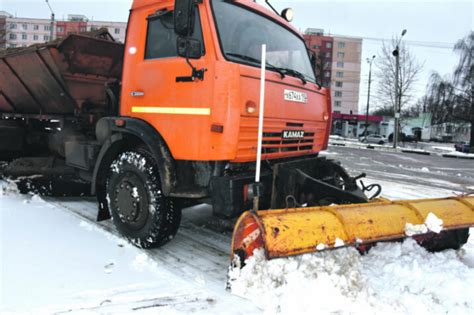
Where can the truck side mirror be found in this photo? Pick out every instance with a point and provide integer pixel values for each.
(184, 17)
(189, 47)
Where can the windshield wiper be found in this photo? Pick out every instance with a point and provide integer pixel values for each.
(295, 73)
(255, 60)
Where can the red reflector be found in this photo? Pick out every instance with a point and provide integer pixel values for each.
(217, 128)
(246, 192)
(119, 122)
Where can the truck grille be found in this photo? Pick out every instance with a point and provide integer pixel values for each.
(273, 144)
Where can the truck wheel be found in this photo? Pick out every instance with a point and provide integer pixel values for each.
(139, 210)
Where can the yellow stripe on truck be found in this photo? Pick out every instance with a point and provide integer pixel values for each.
(172, 110)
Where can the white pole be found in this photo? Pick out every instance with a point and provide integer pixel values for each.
(261, 112)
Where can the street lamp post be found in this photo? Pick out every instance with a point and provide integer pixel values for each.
(51, 31)
(398, 92)
(370, 61)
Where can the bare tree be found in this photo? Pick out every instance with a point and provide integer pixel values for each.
(385, 73)
(451, 99)
(440, 98)
(463, 82)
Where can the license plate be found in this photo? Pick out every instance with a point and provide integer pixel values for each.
(293, 134)
(295, 96)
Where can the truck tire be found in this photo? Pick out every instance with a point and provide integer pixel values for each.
(139, 210)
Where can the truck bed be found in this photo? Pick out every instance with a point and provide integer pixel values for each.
(63, 77)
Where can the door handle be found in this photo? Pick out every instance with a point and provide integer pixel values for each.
(137, 93)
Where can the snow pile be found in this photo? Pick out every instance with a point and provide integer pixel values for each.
(301, 284)
(432, 223)
(391, 278)
(8, 188)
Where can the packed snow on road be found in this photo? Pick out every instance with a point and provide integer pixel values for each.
(54, 261)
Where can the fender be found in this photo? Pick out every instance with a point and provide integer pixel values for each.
(112, 133)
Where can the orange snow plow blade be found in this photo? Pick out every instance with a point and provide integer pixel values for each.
(296, 231)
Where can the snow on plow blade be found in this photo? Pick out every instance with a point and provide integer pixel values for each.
(290, 232)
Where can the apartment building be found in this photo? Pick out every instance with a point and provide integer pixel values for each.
(73, 24)
(22, 32)
(346, 67)
(340, 57)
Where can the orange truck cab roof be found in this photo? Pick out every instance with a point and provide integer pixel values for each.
(251, 4)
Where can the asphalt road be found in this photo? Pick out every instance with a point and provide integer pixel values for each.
(429, 170)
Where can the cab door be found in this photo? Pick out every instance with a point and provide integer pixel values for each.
(153, 89)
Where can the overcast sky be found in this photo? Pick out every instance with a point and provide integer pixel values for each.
(432, 26)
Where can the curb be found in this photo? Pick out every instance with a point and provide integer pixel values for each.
(452, 156)
(416, 152)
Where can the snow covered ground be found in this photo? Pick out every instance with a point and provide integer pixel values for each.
(55, 259)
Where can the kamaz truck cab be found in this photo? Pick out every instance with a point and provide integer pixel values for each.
(190, 95)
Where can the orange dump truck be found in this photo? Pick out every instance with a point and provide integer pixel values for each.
(170, 119)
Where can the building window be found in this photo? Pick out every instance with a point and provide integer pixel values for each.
(341, 45)
(338, 83)
(328, 55)
(24, 26)
(316, 46)
(35, 37)
(328, 45)
(13, 45)
(327, 74)
(337, 104)
(46, 38)
(327, 65)
(12, 26)
(117, 31)
(36, 27)
(340, 55)
(24, 37)
(60, 29)
(337, 93)
(340, 64)
(47, 28)
(12, 36)
(339, 74)
(82, 29)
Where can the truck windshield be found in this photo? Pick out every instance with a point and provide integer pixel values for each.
(242, 33)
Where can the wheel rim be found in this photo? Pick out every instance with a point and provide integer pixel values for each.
(131, 201)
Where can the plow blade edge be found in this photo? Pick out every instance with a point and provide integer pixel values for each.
(296, 231)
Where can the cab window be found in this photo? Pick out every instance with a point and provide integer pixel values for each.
(161, 38)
